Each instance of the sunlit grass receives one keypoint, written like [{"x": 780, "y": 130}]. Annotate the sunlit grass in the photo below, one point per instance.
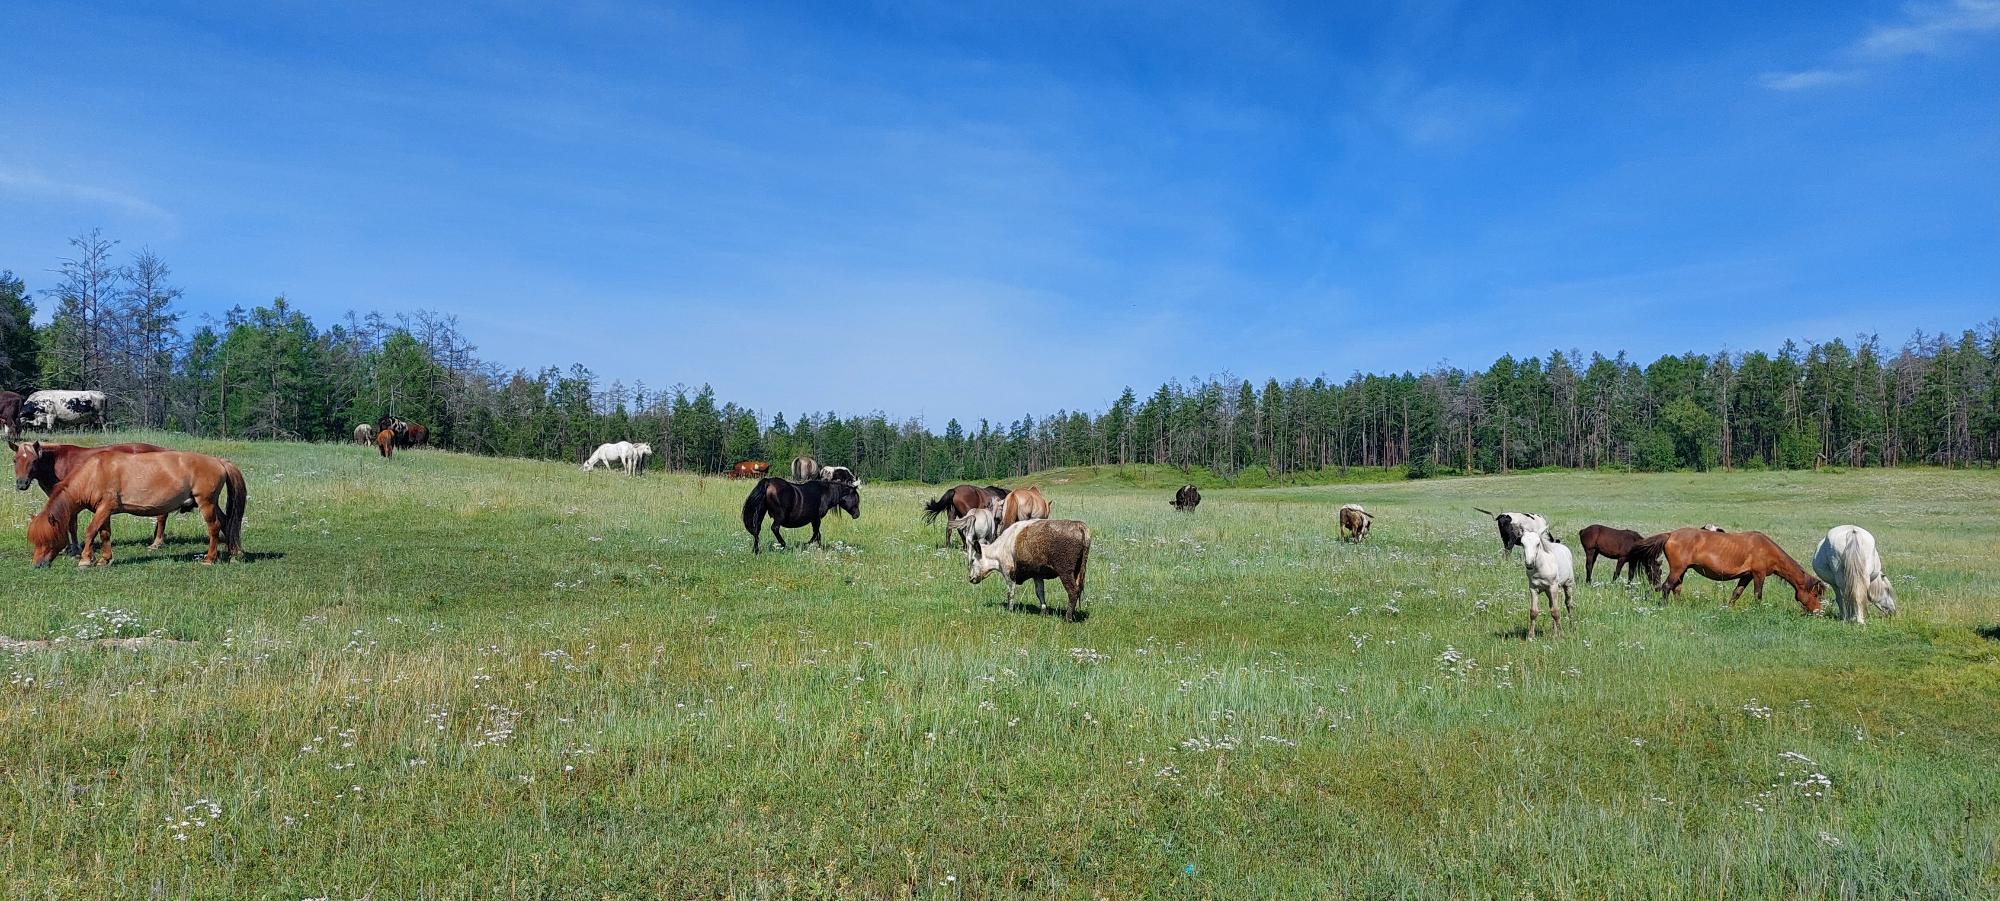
[{"x": 445, "y": 676}]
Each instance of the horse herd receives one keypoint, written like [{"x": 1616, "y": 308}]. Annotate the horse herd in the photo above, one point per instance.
[
  {"x": 1847, "y": 562},
  {"x": 140, "y": 479},
  {"x": 391, "y": 434}
]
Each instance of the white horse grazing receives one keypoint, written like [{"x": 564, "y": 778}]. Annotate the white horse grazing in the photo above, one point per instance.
[
  {"x": 1848, "y": 563},
  {"x": 1549, "y": 566},
  {"x": 611, "y": 455},
  {"x": 977, "y": 527}
]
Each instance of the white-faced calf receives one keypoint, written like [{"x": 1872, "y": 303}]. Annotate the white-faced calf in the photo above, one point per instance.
[{"x": 1038, "y": 549}]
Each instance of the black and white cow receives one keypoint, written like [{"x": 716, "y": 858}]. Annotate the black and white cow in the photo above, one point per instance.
[{"x": 46, "y": 409}]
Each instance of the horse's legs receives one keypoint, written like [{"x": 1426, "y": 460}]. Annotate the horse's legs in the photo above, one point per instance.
[
  {"x": 1534, "y": 612},
  {"x": 100, "y": 522},
  {"x": 1590, "y": 563},
  {"x": 815, "y": 538},
  {"x": 1672, "y": 586},
  {"x": 1759, "y": 585},
  {"x": 159, "y": 534},
  {"x": 1555, "y": 614},
  {"x": 1740, "y": 585},
  {"x": 212, "y": 515},
  {"x": 777, "y": 534}
]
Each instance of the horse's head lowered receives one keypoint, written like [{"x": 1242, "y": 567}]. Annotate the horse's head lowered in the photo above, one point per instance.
[
  {"x": 48, "y": 534},
  {"x": 1809, "y": 592},
  {"x": 26, "y": 458},
  {"x": 842, "y": 496}
]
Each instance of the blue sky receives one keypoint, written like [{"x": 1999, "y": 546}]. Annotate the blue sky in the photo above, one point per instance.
[{"x": 971, "y": 209}]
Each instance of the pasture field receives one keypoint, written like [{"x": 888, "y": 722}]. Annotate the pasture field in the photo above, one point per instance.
[{"x": 453, "y": 677}]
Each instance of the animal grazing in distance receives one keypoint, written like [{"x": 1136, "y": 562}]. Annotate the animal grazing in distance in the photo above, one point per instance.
[
  {"x": 10, "y": 413},
  {"x": 623, "y": 454},
  {"x": 46, "y": 409},
  {"x": 1038, "y": 549},
  {"x": 750, "y": 469},
  {"x": 1513, "y": 526},
  {"x": 1025, "y": 504},
  {"x": 364, "y": 433},
  {"x": 148, "y": 484},
  {"x": 1186, "y": 499},
  {"x": 385, "y": 441},
  {"x": 959, "y": 500},
  {"x": 48, "y": 464},
  {"x": 1355, "y": 522},
  {"x": 1550, "y": 567},
  {"x": 1616, "y": 544},
  {"x": 1848, "y": 563},
  {"x": 1712, "y": 527},
  {"x": 1746, "y": 557},
  {"x": 795, "y": 505},
  {"x": 839, "y": 474},
  {"x": 804, "y": 469}
]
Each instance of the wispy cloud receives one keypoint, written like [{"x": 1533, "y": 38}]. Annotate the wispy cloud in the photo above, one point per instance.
[
  {"x": 1926, "y": 29},
  {"x": 23, "y": 181}
]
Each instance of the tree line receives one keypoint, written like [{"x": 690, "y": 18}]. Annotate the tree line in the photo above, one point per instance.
[{"x": 118, "y": 325}]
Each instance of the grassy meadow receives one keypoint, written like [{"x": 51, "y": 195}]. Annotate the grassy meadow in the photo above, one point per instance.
[{"x": 444, "y": 676}]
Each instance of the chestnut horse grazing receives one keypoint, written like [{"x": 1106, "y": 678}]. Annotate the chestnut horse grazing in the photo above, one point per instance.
[
  {"x": 153, "y": 484},
  {"x": 750, "y": 469},
  {"x": 959, "y": 500},
  {"x": 1748, "y": 558},
  {"x": 1020, "y": 506},
  {"x": 48, "y": 464},
  {"x": 1617, "y": 544}
]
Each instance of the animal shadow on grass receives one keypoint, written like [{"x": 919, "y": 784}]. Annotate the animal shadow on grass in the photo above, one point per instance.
[
  {"x": 1520, "y": 633},
  {"x": 1031, "y": 609},
  {"x": 165, "y": 555},
  {"x": 1990, "y": 633}
]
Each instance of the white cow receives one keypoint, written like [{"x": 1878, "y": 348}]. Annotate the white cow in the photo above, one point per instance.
[
  {"x": 45, "y": 409},
  {"x": 1849, "y": 564},
  {"x": 1549, "y": 566}
]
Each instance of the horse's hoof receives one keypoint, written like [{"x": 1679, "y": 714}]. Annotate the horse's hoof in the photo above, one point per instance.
[
  {"x": 205, "y": 561},
  {"x": 156, "y": 545}
]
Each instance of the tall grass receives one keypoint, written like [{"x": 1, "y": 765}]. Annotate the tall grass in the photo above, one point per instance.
[{"x": 455, "y": 677}]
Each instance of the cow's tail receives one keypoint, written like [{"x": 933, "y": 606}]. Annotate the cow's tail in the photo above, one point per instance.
[
  {"x": 232, "y": 515},
  {"x": 942, "y": 504},
  {"x": 1487, "y": 512}
]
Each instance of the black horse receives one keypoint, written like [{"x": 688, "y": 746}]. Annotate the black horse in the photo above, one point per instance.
[
  {"x": 795, "y": 505},
  {"x": 1186, "y": 499}
]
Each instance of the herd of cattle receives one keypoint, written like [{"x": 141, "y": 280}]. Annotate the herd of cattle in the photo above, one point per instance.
[{"x": 1009, "y": 532}]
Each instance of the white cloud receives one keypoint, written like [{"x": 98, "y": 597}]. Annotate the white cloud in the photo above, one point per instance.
[
  {"x": 1927, "y": 29},
  {"x": 21, "y": 181}
]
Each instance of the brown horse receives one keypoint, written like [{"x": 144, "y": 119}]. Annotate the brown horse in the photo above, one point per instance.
[
  {"x": 48, "y": 464},
  {"x": 1617, "y": 544},
  {"x": 1355, "y": 523},
  {"x": 152, "y": 484},
  {"x": 1746, "y": 557},
  {"x": 1026, "y": 503},
  {"x": 959, "y": 500},
  {"x": 385, "y": 441},
  {"x": 417, "y": 435},
  {"x": 10, "y": 413},
  {"x": 750, "y": 469}
]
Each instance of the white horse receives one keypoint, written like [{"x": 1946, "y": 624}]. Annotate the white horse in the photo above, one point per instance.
[
  {"x": 977, "y": 527},
  {"x": 1549, "y": 566},
  {"x": 1849, "y": 564},
  {"x": 611, "y": 455}
]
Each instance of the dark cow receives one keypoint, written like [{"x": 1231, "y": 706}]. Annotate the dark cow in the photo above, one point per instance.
[
  {"x": 1186, "y": 499},
  {"x": 10, "y": 413}
]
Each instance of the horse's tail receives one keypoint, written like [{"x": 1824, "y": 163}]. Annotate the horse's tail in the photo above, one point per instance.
[
  {"x": 232, "y": 515},
  {"x": 1648, "y": 548},
  {"x": 942, "y": 504},
  {"x": 1853, "y": 575},
  {"x": 753, "y": 509}
]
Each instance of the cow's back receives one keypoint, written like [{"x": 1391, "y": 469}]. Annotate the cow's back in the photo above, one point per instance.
[{"x": 1048, "y": 546}]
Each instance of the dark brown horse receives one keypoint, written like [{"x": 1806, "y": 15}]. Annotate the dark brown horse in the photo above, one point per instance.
[
  {"x": 1617, "y": 544},
  {"x": 1186, "y": 499},
  {"x": 49, "y": 464},
  {"x": 10, "y": 413},
  {"x": 151, "y": 484},
  {"x": 1748, "y": 558},
  {"x": 959, "y": 500},
  {"x": 417, "y": 435},
  {"x": 795, "y": 505},
  {"x": 750, "y": 469}
]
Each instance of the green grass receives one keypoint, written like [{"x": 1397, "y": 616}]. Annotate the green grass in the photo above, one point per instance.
[{"x": 455, "y": 677}]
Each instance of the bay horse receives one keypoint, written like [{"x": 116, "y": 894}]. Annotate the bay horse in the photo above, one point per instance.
[
  {"x": 49, "y": 464},
  {"x": 1616, "y": 544},
  {"x": 1025, "y": 504},
  {"x": 750, "y": 469},
  {"x": 1748, "y": 558},
  {"x": 150, "y": 484},
  {"x": 959, "y": 500},
  {"x": 795, "y": 505},
  {"x": 10, "y": 413}
]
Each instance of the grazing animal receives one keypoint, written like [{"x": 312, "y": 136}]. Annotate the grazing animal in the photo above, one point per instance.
[
  {"x": 1616, "y": 544},
  {"x": 46, "y": 409},
  {"x": 364, "y": 433},
  {"x": 392, "y": 423},
  {"x": 795, "y": 505},
  {"x": 838, "y": 474},
  {"x": 975, "y": 529},
  {"x": 804, "y": 469},
  {"x": 750, "y": 469},
  {"x": 1712, "y": 527},
  {"x": 623, "y": 454},
  {"x": 1513, "y": 526},
  {"x": 404, "y": 433},
  {"x": 416, "y": 434},
  {"x": 1549, "y": 567},
  {"x": 10, "y": 413},
  {"x": 1849, "y": 564},
  {"x": 1746, "y": 557},
  {"x": 385, "y": 441},
  {"x": 1025, "y": 504},
  {"x": 1186, "y": 499},
  {"x": 1038, "y": 549},
  {"x": 149, "y": 484},
  {"x": 1355, "y": 522},
  {"x": 959, "y": 500},
  {"x": 48, "y": 464}
]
